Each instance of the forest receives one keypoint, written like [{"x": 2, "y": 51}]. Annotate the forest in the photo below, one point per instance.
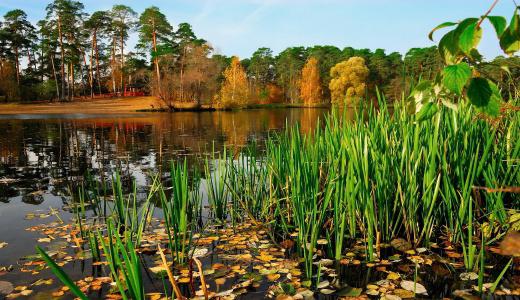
[{"x": 72, "y": 54}]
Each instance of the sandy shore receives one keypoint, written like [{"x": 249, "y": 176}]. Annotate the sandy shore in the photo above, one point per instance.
[{"x": 100, "y": 106}]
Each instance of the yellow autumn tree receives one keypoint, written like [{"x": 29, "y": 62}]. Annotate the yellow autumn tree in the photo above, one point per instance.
[
  {"x": 235, "y": 90},
  {"x": 348, "y": 82},
  {"x": 310, "y": 84}
]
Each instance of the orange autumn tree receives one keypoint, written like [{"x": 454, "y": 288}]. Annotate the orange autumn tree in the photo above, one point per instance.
[
  {"x": 235, "y": 89},
  {"x": 348, "y": 82},
  {"x": 310, "y": 83}
]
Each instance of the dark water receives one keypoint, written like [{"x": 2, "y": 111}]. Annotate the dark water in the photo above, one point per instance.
[{"x": 43, "y": 158}]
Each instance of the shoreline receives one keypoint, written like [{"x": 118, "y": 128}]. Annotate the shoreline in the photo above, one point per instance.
[{"x": 129, "y": 105}]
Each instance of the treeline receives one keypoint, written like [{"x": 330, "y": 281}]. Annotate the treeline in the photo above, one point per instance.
[{"x": 72, "y": 54}]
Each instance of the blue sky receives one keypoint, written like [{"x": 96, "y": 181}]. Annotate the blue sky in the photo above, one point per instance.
[{"x": 239, "y": 27}]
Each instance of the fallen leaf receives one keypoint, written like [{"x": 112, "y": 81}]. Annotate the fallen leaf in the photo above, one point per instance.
[
  {"x": 468, "y": 276},
  {"x": 510, "y": 245},
  {"x": 414, "y": 287}
]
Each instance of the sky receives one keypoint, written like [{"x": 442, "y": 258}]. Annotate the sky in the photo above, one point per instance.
[{"x": 239, "y": 27}]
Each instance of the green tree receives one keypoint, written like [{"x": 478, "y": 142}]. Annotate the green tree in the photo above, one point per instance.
[
  {"x": 98, "y": 25},
  {"x": 154, "y": 29},
  {"x": 65, "y": 23},
  {"x": 328, "y": 56},
  {"x": 19, "y": 34},
  {"x": 261, "y": 67},
  {"x": 124, "y": 21},
  {"x": 289, "y": 64}
]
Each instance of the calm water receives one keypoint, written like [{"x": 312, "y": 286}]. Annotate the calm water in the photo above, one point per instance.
[{"x": 42, "y": 158}]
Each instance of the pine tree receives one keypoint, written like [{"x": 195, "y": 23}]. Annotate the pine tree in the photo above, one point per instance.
[{"x": 154, "y": 29}]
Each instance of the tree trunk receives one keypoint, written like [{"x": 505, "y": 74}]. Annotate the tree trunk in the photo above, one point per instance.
[
  {"x": 91, "y": 70},
  {"x": 55, "y": 77},
  {"x": 122, "y": 61},
  {"x": 97, "y": 62},
  {"x": 62, "y": 54},
  {"x": 156, "y": 60},
  {"x": 17, "y": 64},
  {"x": 113, "y": 64}
]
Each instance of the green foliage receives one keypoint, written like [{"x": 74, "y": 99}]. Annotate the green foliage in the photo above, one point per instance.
[
  {"x": 458, "y": 48},
  {"x": 484, "y": 94},
  {"x": 456, "y": 76}
]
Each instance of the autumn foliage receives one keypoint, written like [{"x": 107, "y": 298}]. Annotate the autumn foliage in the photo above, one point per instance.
[
  {"x": 310, "y": 84},
  {"x": 235, "y": 89},
  {"x": 348, "y": 82}
]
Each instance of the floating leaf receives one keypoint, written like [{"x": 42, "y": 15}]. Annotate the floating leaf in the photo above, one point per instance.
[
  {"x": 511, "y": 244},
  {"x": 403, "y": 294},
  {"x": 414, "y": 287},
  {"x": 393, "y": 276},
  {"x": 3, "y": 245},
  {"x": 273, "y": 277},
  {"x": 323, "y": 284},
  {"x": 350, "y": 292},
  {"x": 401, "y": 245},
  {"x": 468, "y": 276}
]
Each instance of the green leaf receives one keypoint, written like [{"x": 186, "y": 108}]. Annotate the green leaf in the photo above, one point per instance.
[
  {"x": 443, "y": 25},
  {"x": 509, "y": 44},
  {"x": 455, "y": 77},
  {"x": 484, "y": 94},
  {"x": 510, "y": 39},
  {"x": 422, "y": 91},
  {"x": 499, "y": 23},
  {"x": 448, "y": 48},
  {"x": 470, "y": 38},
  {"x": 427, "y": 112},
  {"x": 65, "y": 279}
]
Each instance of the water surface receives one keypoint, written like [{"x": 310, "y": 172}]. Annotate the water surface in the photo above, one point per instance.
[{"x": 44, "y": 157}]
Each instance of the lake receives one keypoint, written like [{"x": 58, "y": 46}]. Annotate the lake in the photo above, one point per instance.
[{"x": 45, "y": 157}]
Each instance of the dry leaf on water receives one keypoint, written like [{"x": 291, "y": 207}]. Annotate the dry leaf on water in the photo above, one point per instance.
[{"x": 511, "y": 244}]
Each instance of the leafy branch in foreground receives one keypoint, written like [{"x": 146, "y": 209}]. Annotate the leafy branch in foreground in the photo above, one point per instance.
[{"x": 461, "y": 77}]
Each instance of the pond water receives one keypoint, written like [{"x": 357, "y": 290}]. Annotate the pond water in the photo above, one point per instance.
[{"x": 44, "y": 157}]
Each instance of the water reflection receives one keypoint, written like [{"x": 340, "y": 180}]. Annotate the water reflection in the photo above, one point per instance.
[{"x": 49, "y": 156}]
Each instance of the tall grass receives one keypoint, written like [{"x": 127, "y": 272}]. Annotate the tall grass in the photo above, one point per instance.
[
  {"x": 180, "y": 210},
  {"x": 386, "y": 176}
]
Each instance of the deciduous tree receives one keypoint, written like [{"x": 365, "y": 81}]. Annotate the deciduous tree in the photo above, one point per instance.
[
  {"x": 234, "y": 91},
  {"x": 310, "y": 84},
  {"x": 348, "y": 84}
]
